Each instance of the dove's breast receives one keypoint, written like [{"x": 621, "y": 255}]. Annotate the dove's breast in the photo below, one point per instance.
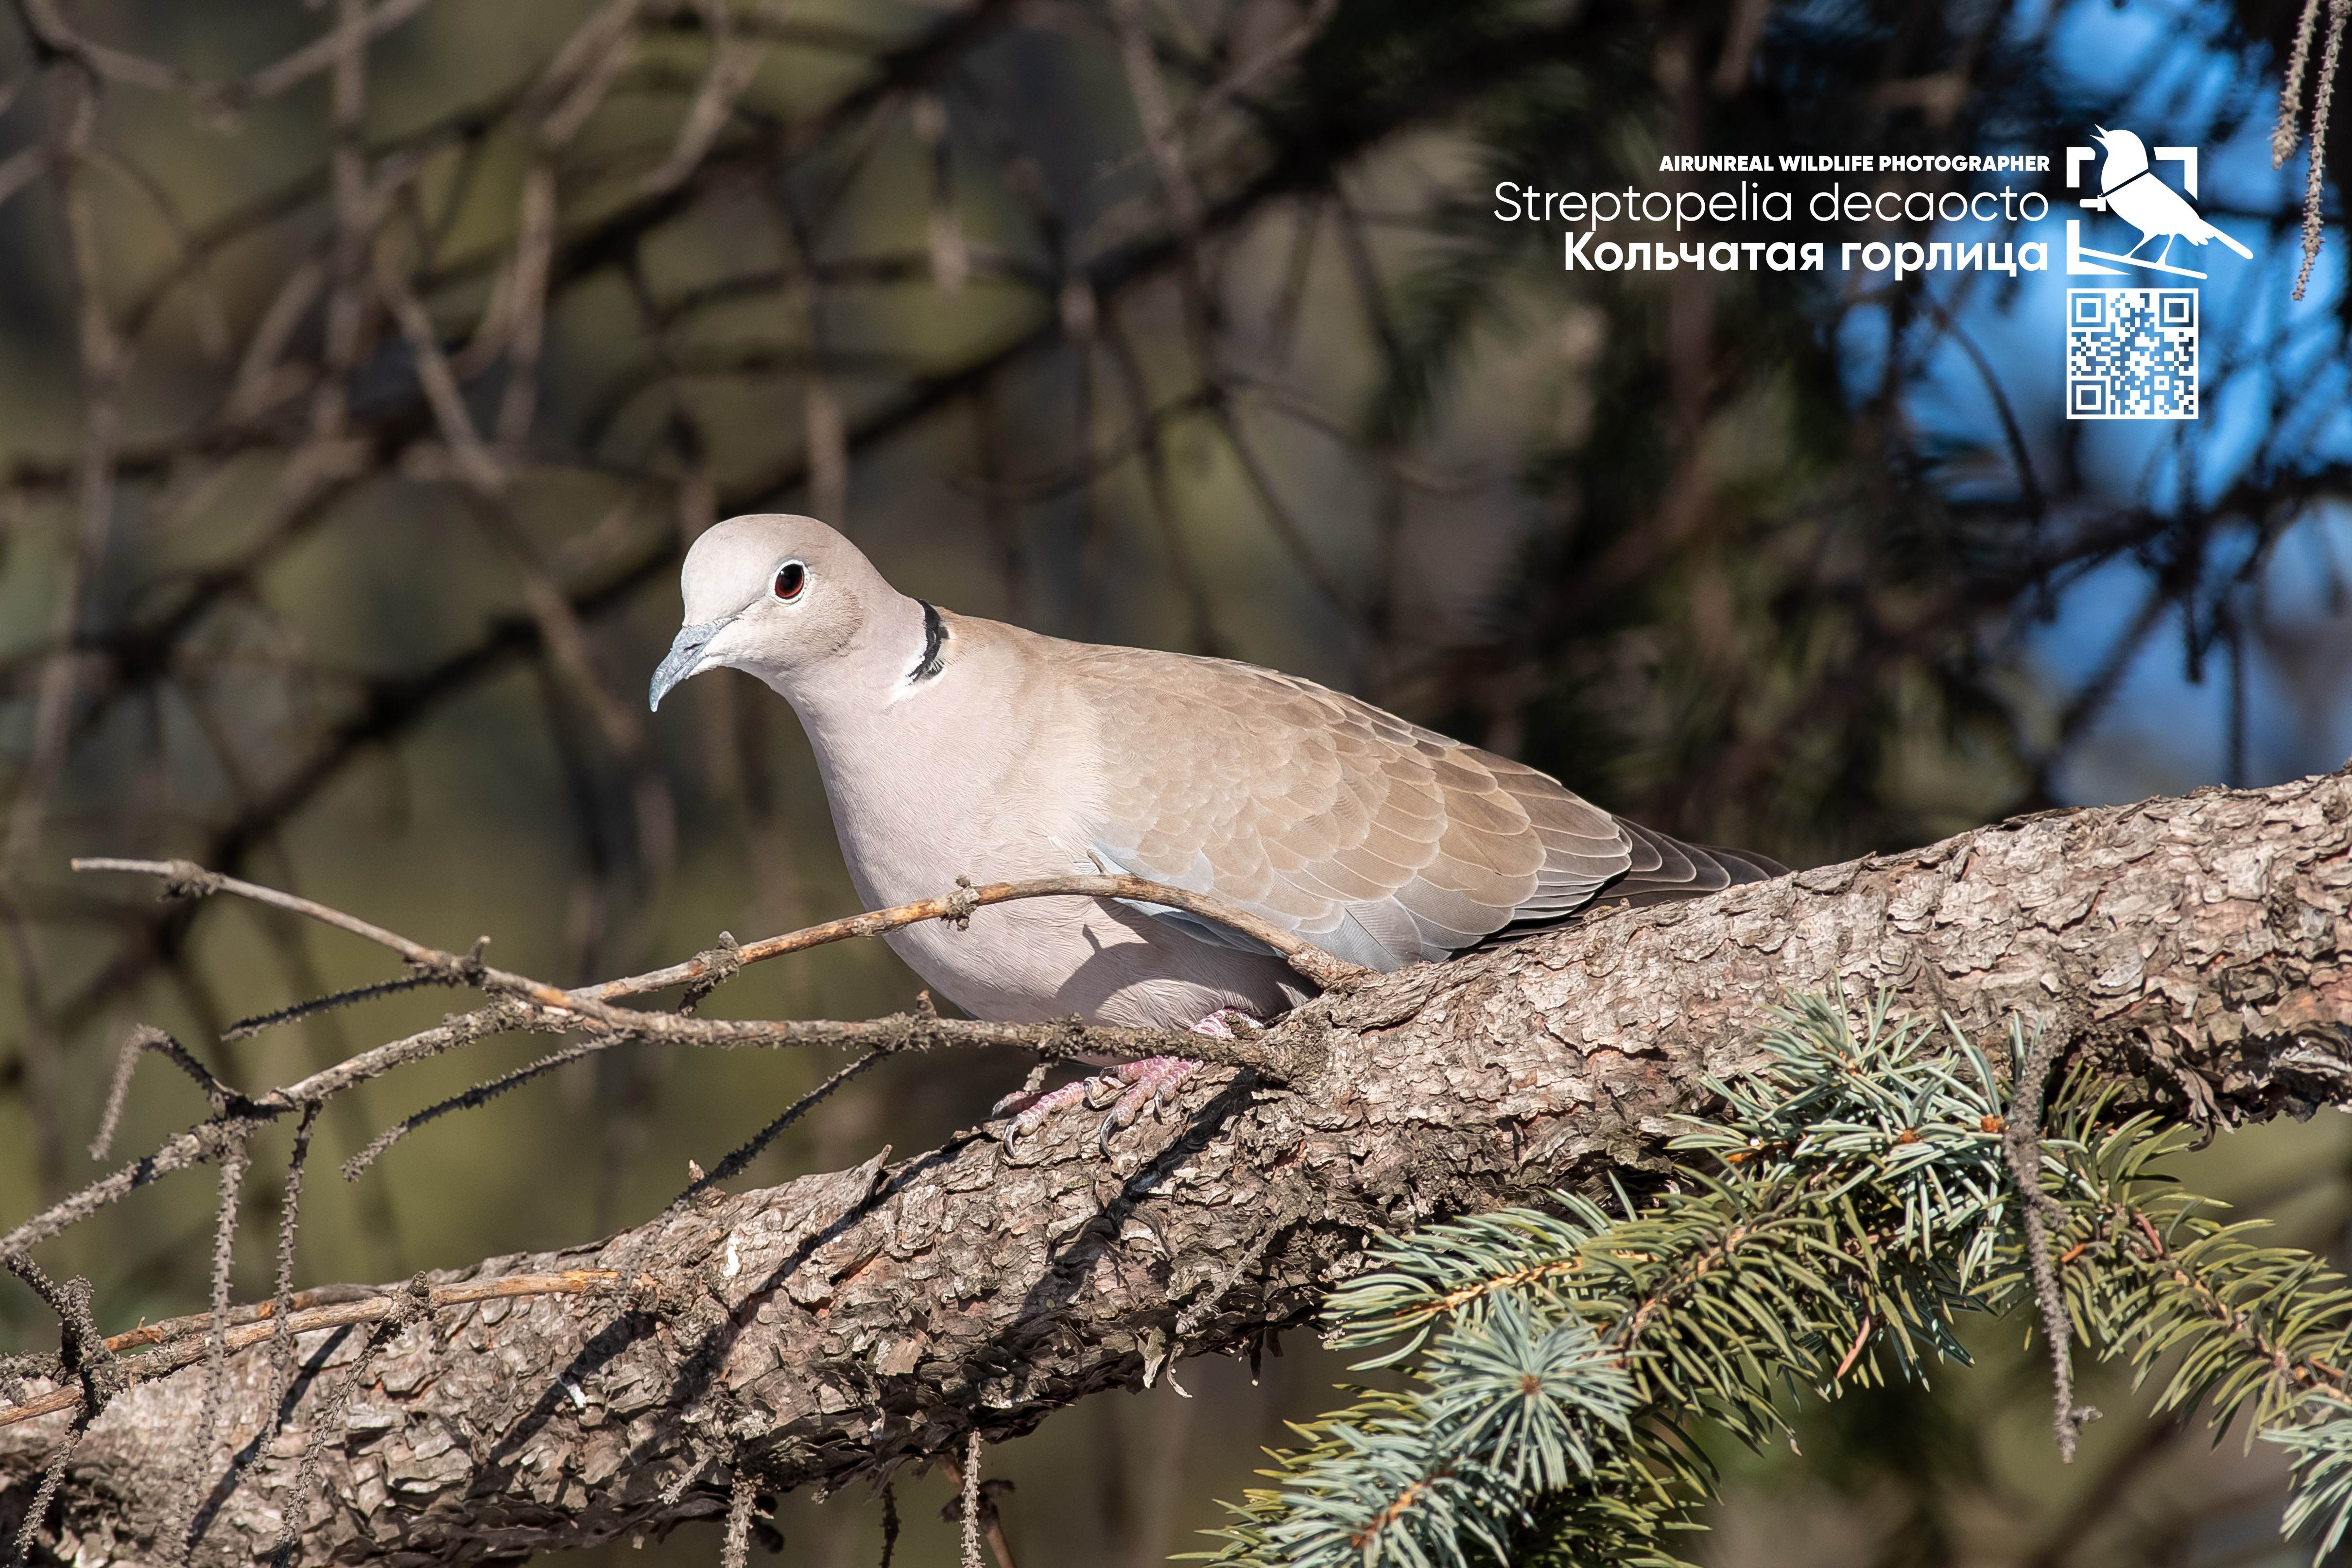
[{"x": 992, "y": 771}]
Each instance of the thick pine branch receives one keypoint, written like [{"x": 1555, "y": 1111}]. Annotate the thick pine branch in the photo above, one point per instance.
[{"x": 832, "y": 1327}]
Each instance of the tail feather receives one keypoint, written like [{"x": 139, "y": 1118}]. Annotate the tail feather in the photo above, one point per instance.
[
  {"x": 1688, "y": 871},
  {"x": 1664, "y": 870}
]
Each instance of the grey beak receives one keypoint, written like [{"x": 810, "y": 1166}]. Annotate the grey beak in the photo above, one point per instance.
[{"x": 684, "y": 658}]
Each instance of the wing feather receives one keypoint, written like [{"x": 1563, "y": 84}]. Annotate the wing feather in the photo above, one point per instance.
[{"x": 1380, "y": 841}]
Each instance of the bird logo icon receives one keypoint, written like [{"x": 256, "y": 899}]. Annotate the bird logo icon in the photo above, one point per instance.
[{"x": 2130, "y": 188}]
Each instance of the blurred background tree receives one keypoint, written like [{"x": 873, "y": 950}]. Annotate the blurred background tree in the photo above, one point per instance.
[{"x": 368, "y": 366}]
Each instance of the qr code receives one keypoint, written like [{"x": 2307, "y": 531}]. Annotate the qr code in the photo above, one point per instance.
[{"x": 2131, "y": 353}]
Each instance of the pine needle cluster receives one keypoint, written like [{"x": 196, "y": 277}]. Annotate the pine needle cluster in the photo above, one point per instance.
[{"x": 1851, "y": 1200}]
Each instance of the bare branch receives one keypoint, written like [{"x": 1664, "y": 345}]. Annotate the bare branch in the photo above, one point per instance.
[
  {"x": 350, "y": 33},
  {"x": 2314, "y": 194},
  {"x": 1311, "y": 962},
  {"x": 519, "y": 1002},
  {"x": 144, "y": 1039}
]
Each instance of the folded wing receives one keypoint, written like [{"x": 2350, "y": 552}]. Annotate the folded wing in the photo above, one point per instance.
[{"x": 1380, "y": 841}]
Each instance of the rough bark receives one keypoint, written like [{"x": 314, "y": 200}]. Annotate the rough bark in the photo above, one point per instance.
[{"x": 840, "y": 1324}]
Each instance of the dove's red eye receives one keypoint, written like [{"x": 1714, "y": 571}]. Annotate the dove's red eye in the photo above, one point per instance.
[{"x": 792, "y": 578}]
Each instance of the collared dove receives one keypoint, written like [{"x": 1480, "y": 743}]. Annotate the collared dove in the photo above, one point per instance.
[{"x": 951, "y": 746}]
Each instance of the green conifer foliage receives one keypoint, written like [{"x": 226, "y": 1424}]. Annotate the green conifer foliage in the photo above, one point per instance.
[{"x": 1826, "y": 1229}]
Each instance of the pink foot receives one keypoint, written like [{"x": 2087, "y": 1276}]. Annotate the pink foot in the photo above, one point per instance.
[
  {"x": 1130, "y": 1089},
  {"x": 1032, "y": 1109},
  {"x": 1219, "y": 1023}
]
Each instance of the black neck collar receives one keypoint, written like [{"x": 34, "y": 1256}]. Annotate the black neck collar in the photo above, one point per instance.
[{"x": 935, "y": 636}]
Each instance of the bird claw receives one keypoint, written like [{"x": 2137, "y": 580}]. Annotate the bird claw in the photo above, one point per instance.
[
  {"x": 1146, "y": 1085},
  {"x": 1127, "y": 1091},
  {"x": 1021, "y": 1099},
  {"x": 1031, "y": 1110}
]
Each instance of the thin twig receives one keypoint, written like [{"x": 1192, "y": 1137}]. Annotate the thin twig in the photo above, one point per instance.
[
  {"x": 735, "y": 1548},
  {"x": 740, "y": 1159},
  {"x": 539, "y": 1007},
  {"x": 103, "y": 356},
  {"x": 976, "y": 1497},
  {"x": 53, "y": 1476},
  {"x": 1309, "y": 961},
  {"x": 246, "y": 1028},
  {"x": 633, "y": 1262},
  {"x": 479, "y": 1094},
  {"x": 282, "y": 1301},
  {"x": 1064, "y": 1040},
  {"x": 322, "y": 53},
  {"x": 144, "y": 1039},
  {"x": 235, "y": 1161},
  {"x": 2021, "y": 1146},
  {"x": 527, "y": 306},
  {"x": 2288, "y": 133},
  {"x": 971, "y": 1501},
  {"x": 735, "y": 59},
  {"x": 2314, "y": 191}
]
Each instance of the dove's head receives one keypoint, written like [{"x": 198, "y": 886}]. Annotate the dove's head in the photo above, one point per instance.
[
  {"x": 2126, "y": 154},
  {"x": 785, "y": 599}
]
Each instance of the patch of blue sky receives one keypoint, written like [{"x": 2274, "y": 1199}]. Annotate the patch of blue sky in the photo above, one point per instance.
[{"x": 2275, "y": 391}]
